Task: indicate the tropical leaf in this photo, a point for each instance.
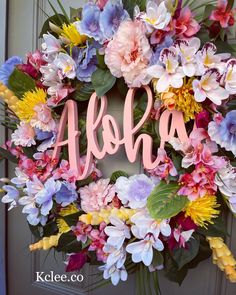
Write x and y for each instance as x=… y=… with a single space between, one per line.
x=68 y=243
x=84 y=92
x=102 y=81
x=164 y=202
x=57 y=19
x=7 y=155
x=130 y=5
x=115 y=175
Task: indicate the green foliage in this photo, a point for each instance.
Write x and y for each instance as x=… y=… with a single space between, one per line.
x=103 y=81
x=50 y=229
x=68 y=243
x=217 y=229
x=7 y=155
x=72 y=219
x=57 y=19
x=164 y=202
x=182 y=256
x=35 y=231
x=129 y=5
x=83 y=92
x=115 y=175
x=20 y=82
x=84 y=182
x=75 y=13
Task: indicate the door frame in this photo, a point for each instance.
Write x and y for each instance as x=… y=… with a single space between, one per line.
x=3 y=164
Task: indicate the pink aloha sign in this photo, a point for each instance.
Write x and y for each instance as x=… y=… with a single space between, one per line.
x=171 y=123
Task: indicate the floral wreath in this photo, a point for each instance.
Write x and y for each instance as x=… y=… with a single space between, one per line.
x=169 y=217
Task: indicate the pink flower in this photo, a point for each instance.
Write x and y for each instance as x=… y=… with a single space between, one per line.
x=129 y=59
x=96 y=195
x=202 y=119
x=165 y=168
x=185 y=25
x=64 y=172
x=23 y=135
x=43 y=118
x=82 y=230
x=223 y=14
x=98 y=238
x=58 y=93
x=76 y=261
x=101 y=3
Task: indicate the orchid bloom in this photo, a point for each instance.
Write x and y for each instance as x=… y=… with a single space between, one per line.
x=169 y=74
x=51 y=44
x=157 y=16
x=11 y=197
x=187 y=50
x=181 y=236
x=230 y=76
x=223 y=14
x=116 y=274
x=66 y=65
x=209 y=87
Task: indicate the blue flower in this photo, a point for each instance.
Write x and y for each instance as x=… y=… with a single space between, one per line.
x=47 y=138
x=111 y=17
x=66 y=195
x=86 y=63
x=89 y=24
x=8 y=67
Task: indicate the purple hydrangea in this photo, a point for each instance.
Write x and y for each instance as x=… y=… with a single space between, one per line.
x=66 y=195
x=111 y=17
x=86 y=63
x=8 y=67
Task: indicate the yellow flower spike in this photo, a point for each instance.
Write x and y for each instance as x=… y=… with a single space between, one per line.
x=223 y=257
x=202 y=210
x=8 y=97
x=25 y=107
x=71 y=35
x=46 y=243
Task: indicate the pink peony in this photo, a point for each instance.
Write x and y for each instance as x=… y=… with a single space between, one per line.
x=23 y=135
x=96 y=195
x=185 y=25
x=128 y=54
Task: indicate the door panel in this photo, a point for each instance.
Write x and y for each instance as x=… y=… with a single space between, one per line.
x=26 y=19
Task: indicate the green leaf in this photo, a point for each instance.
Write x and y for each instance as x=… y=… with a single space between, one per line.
x=72 y=219
x=158 y=258
x=129 y=5
x=50 y=229
x=35 y=231
x=182 y=256
x=7 y=155
x=115 y=175
x=57 y=19
x=217 y=229
x=20 y=82
x=103 y=81
x=84 y=182
x=164 y=202
x=75 y=13
x=84 y=92
x=101 y=62
x=68 y=243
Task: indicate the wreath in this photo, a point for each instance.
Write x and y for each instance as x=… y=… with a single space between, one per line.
x=168 y=63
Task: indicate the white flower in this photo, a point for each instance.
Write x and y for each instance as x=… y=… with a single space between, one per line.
x=50 y=77
x=230 y=76
x=20 y=179
x=51 y=44
x=187 y=51
x=157 y=16
x=117 y=233
x=11 y=197
x=143 y=250
x=66 y=65
x=135 y=190
x=115 y=256
x=23 y=135
x=169 y=74
x=116 y=274
x=209 y=87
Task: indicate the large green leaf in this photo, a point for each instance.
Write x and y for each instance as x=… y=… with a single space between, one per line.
x=164 y=202
x=72 y=219
x=103 y=81
x=182 y=256
x=20 y=82
x=83 y=92
x=68 y=243
x=217 y=229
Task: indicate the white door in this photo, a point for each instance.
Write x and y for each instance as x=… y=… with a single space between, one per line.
x=25 y=21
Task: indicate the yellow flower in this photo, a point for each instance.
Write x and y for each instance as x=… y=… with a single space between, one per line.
x=95 y=218
x=8 y=97
x=203 y=210
x=182 y=100
x=71 y=36
x=46 y=243
x=61 y=223
x=25 y=107
x=223 y=257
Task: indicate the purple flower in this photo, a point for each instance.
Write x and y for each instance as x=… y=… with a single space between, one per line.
x=8 y=67
x=165 y=44
x=86 y=63
x=111 y=17
x=89 y=24
x=44 y=196
x=66 y=195
x=11 y=197
x=47 y=138
x=224 y=132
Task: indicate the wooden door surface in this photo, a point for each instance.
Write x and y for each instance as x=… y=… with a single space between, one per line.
x=25 y=18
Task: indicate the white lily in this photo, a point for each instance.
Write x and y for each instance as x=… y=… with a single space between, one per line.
x=66 y=65
x=114 y=273
x=11 y=197
x=209 y=87
x=169 y=74
x=156 y=16
x=117 y=233
x=187 y=51
x=115 y=256
x=51 y=44
x=20 y=179
x=230 y=76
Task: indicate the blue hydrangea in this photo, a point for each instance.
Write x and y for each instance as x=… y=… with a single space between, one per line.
x=89 y=24
x=111 y=17
x=227 y=128
x=8 y=67
x=86 y=63
x=66 y=195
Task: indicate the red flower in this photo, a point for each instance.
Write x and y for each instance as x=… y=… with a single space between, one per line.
x=203 y=119
x=76 y=261
x=223 y=14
